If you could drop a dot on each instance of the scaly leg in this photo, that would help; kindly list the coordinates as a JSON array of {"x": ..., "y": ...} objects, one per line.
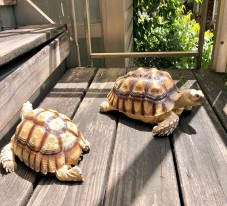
[
  {"x": 86, "y": 145},
  {"x": 72, "y": 174},
  {"x": 167, "y": 126},
  {"x": 7, "y": 157},
  {"x": 105, "y": 107}
]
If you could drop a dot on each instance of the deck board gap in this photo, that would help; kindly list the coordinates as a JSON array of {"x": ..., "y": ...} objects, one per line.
[{"x": 176, "y": 170}]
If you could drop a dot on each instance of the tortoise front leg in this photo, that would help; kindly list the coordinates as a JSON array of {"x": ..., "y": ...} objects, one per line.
[
  {"x": 7, "y": 157},
  {"x": 69, "y": 174},
  {"x": 167, "y": 126}
]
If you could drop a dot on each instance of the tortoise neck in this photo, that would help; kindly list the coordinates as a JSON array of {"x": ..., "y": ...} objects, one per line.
[{"x": 182, "y": 100}]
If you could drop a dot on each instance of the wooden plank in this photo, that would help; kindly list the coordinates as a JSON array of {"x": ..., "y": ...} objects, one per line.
[
  {"x": 24, "y": 178},
  {"x": 65, "y": 97},
  {"x": 16, "y": 187},
  {"x": 142, "y": 170},
  {"x": 200, "y": 150},
  {"x": 99, "y": 129},
  {"x": 19, "y": 41},
  {"x": 23, "y": 82},
  {"x": 8, "y": 2},
  {"x": 214, "y": 85}
]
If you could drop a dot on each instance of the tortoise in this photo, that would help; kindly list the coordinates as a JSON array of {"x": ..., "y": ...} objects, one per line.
[
  {"x": 46, "y": 141},
  {"x": 150, "y": 95}
]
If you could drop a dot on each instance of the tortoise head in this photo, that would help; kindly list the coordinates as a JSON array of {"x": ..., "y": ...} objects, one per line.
[
  {"x": 27, "y": 107},
  {"x": 190, "y": 97}
]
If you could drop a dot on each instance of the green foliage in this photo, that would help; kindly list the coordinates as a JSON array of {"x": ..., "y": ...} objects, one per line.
[{"x": 160, "y": 26}]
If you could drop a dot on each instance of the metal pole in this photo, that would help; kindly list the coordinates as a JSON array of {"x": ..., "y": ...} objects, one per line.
[
  {"x": 201, "y": 33},
  {"x": 74, "y": 29},
  {"x": 87, "y": 32}
]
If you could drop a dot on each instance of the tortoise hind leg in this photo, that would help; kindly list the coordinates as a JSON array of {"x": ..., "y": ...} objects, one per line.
[
  {"x": 85, "y": 144},
  {"x": 167, "y": 126},
  {"x": 7, "y": 157},
  {"x": 105, "y": 107},
  {"x": 69, "y": 174}
]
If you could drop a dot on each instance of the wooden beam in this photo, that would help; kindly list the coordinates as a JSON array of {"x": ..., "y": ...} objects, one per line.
[
  {"x": 219, "y": 55},
  {"x": 112, "y": 18},
  {"x": 19, "y": 86},
  {"x": 201, "y": 33},
  {"x": 8, "y": 2},
  {"x": 19, "y": 41}
]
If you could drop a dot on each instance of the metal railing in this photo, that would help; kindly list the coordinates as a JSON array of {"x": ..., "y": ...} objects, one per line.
[{"x": 197, "y": 54}]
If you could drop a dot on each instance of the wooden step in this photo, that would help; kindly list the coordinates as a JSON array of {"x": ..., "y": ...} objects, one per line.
[
  {"x": 19, "y": 41},
  {"x": 27, "y": 77}
]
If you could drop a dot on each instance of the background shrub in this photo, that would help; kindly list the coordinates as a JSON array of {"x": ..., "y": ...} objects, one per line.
[{"x": 161, "y": 26}]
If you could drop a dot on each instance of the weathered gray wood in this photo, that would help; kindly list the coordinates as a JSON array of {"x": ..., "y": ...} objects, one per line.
[
  {"x": 67, "y": 94},
  {"x": 200, "y": 150},
  {"x": 18, "y": 87},
  {"x": 35, "y": 99},
  {"x": 19, "y": 41},
  {"x": 214, "y": 85},
  {"x": 8, "y": 2},
  {"x": 142, "y": 170},
  {"x": 99, "y": 129},
  {"x": 17, "y": 187}
]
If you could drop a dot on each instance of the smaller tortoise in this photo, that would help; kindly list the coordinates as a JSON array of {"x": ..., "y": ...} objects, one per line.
[
  {"x": 46, "y": 141},
  {"x": 150, "y": 95}
]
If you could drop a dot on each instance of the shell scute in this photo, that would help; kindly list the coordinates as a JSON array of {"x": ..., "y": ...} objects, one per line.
[
  {"x": 47, "y": 140},
  {"x": 51, "y": 145},
  {"x": 147, "y": 92}
]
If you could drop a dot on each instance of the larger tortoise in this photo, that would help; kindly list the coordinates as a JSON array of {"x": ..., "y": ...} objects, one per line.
[
  {"x": 150, "y": 95},
  {"x": 46, "y": 141}
]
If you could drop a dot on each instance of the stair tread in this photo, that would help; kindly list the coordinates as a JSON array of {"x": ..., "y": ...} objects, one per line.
[{"x": 19, "y": 41}]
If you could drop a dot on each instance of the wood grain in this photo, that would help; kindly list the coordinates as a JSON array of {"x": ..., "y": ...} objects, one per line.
[
  {"x": 19, "y": 41},
  {"x": 100, "y": 130},
  {"x": 67, "y": 94},
  {"x": 214, "y": 86},
  {"x": 18, "y": 87},
  {"x": 200, "y": 150},
  {"x": 8, "y": 2},
  {"x": 24, "y": 178},
  {"x": 142, "y": 170}
]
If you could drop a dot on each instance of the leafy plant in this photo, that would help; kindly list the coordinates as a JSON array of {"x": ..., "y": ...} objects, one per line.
[{"x": 160, "y": 26}]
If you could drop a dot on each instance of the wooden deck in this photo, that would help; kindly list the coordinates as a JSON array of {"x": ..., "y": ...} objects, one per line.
[{"x": 126, "y": 165}]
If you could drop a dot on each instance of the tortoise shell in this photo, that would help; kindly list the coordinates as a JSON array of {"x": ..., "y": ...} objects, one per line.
[
  {"x": 147, "y": 92},
  {"x": 47, "y": 140}
]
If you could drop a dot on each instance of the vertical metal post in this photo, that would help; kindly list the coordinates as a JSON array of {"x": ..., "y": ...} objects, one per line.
[
  {"x": 201, "y": 33},
  {"x": 74, "y": 29},
  {"x": 87, "y": 31}
]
